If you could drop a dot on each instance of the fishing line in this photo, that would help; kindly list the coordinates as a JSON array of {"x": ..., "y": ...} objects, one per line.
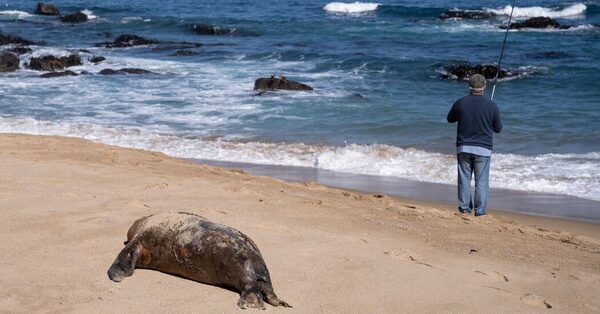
[{"x": 503, "y": 45}]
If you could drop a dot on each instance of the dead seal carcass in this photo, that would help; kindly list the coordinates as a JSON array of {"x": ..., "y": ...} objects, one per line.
[{"x": 190, "y": 246}]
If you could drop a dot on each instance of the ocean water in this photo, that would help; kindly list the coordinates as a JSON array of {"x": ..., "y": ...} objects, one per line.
[{"x": 379, "y": 105}]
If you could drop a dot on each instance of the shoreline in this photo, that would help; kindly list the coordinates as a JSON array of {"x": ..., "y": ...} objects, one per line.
[
  {"x": 537, "y": 204},
  {"x": 69, "y": 202}
]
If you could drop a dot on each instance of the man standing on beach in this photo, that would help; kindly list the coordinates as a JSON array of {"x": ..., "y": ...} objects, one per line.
[{"x": 477, "y": 117}]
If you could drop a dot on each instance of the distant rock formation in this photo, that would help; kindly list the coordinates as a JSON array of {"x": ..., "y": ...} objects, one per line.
[
  {"x": 78, "y": 17},
  {"x": 537, "y": 22},
  {"x": 14, "y": 40},
  {"x": 58, "y": 74},
  {"x": 9, "y": 62},
  {"x": 46, "y": 9},
  {"x": 127, "y": 40},
  {"x": 282, "y": 82},
  {"x": 468, "y": 14},
  {"x": 51, "y": 63},
  {"x": 124, "y": 71},
  {"x": 464, "y": 71}
]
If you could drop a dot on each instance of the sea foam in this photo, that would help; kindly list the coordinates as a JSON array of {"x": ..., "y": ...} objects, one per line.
[
  {"x": 356, "y": 7},
  {"x": 526, "y": 12},
  {"x": 15, "y": 14},
  {"x": 568, "y": 174}
]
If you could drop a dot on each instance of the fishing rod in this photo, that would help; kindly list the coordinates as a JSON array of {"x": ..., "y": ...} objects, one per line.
[{"x": 503, "y": 45}]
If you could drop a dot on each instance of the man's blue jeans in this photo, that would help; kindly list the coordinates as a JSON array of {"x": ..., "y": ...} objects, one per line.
[{"x": 469, "y": 164}]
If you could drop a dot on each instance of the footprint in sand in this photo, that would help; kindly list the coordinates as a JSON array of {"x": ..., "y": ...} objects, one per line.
[
  {"x": 535, "y": 300},
  {"x": 495, "y": 275},
  {"x": 406, "y": 255}
]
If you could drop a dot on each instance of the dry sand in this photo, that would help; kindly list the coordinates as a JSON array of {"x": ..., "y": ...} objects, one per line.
[{"x": 67, "y": 204}]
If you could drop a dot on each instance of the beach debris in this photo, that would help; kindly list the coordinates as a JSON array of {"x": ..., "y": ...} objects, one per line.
[
  {"x": 78, "y": 17},
  {"x": 53, "y": 63},
  {"x": 378, "y": 196},
  {"x": 46, "y": 9},
  {"x": 282, "y": 82},
  {"x": 124, "y": 71},
  {"x": 9, "y": 62},
  {"x": 471, "y": 251},
  {"x": 58, "y": 74}
]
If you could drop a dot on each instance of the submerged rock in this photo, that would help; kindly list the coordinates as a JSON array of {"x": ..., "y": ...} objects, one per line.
[
  {"x": 124, "y": 71},
  {"x": 78, "y": 17},
  {"x": 96, "y": 59},
  {"x": 127, "y": 40},
  {"x": 19, "y": 50},
  {"x": 282, "y": 82},
  {"x": 9, "y": 62},
  {"x": 52, "y": 63},
  {"x": 46, "y": 9},
  {"x": 464, "y": 71},
  {"x": 468, "y": 14},
  {"x": 58, "y": 74},
  {"x": 14, "y": 40},
  {"x": 205, "y": 29},
  {"x": 537, "y": 22},
  {"x": 184, "y": 53}
]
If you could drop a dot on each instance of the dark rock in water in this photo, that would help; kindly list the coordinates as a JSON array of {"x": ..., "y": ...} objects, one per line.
[
  {"x": 548, "y": 55},
  {"x": 475, "y": 15},
  {"x": 9, "y": 62},
  {"x": 46, "y": 9},
  {"x": 273, "y": 83},
  {"x": 58, "y": 74},
  {"x": 124, "y": 71},
  {"x": 78, "y": 17},
  {"x": 52, "y": 63},
  {"x": 127, "y": 40},
  {"x": 537, "y": 22},
  {"x": 184, "y": 53},
  {"x": 20, "y": 50},
  {"x": 205, "y": 29},
  {"x": 14, "y": 40},
  {"x": 96, "y": 59},
  {"x": 84, "y": 50},
  {"x": 463, "y": 71}
]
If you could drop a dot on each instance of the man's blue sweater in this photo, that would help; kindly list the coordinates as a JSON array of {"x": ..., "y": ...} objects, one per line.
[{"x": 477, "y": 117}]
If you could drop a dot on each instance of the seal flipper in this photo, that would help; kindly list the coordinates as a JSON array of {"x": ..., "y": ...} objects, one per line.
[
  {"x": 251, "y": 298},
  {"x": 270, "y": 296}
]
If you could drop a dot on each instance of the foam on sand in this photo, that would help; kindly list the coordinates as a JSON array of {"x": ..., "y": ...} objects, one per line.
[
  {"x": 356, "y": 7},
  {"x": 526, "y": 12}
]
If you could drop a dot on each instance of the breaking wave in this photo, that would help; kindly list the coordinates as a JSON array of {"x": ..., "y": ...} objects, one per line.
[
  {"x": 568, "y": 174},
  {"x": 356, "y": 7},
  {"x": 526, "y": 12}
]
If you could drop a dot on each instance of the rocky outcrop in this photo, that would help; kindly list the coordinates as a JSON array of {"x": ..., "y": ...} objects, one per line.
[
  {"x": 96, "y": 59},
  {"x": 46, "y": 9},
  {"x": 474, "y": 15},
  {"x": 14, "y": 40},
  {"x": 205, "y": 29},
  {"x": 184, "y": 53},
  {"x": 58, "y": 74},
  {"x": 9, "y": 62},
  {"x": 463, "y": 71},
  {"x": 537, "y": 22},
  {"x": 282, "y": 82},
  {"x": 52, "y": 63},
  {"x": 127, "y": 40},
  {"x": 78, "y": 17},
  {"x": 19, "y": 50},
  {"x": 124, "y": 71}
]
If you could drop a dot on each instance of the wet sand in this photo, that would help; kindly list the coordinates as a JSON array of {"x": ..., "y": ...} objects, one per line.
[{"x": 68, "y": 203}]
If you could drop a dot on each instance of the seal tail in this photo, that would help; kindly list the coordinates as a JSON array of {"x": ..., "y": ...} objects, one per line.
[{"x": 270, "y": 296}]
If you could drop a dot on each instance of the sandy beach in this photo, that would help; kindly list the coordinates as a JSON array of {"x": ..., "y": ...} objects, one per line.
[{"x": 67, "y": 204}]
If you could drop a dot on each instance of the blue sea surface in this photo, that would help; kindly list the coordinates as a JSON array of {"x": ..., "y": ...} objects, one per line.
[{"x": 379, "y": 105}]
